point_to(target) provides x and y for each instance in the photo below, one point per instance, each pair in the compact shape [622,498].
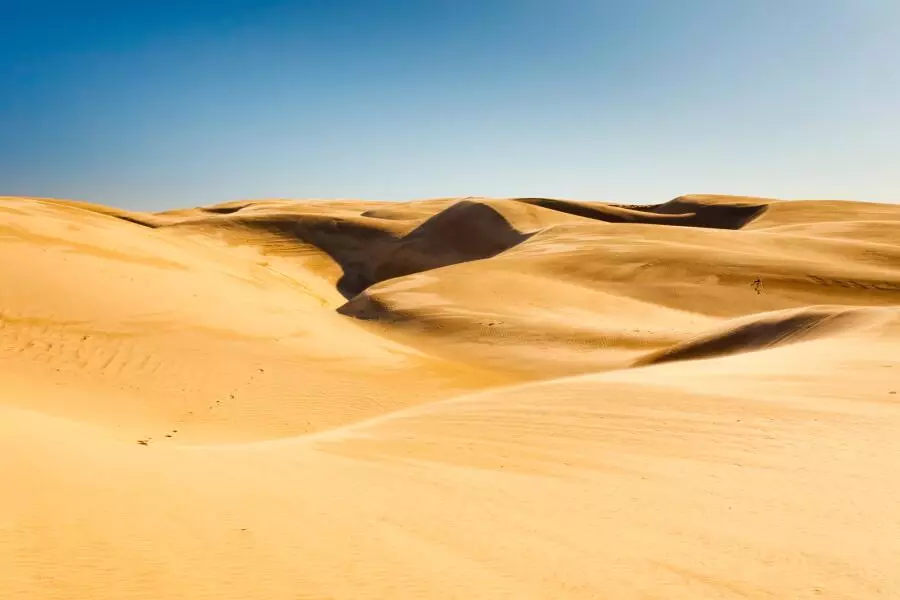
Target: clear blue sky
[152,105]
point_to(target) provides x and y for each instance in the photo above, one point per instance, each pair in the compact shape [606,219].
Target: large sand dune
[452,398]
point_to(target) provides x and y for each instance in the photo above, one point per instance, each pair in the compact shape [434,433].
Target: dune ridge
[450,398]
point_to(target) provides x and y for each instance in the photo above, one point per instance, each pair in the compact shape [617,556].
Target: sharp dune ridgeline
[521,398]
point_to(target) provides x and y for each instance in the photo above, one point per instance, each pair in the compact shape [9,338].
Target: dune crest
[450,398]
[767,331]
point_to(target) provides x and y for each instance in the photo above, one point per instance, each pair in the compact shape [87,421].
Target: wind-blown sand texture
[455,398]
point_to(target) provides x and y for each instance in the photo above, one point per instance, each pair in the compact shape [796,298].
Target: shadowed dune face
[369,250]
[464,232]
[450,398]
[686,211]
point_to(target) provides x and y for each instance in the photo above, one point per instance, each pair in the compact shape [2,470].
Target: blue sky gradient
[152,105]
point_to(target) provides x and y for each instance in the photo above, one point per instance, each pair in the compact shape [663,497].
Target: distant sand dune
[450,398]
[687,211]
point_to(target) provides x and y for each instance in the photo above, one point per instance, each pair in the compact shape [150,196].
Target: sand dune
[450,398]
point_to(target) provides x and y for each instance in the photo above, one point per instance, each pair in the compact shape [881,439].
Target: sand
[451,398]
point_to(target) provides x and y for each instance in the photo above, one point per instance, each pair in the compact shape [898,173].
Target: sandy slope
[452,398]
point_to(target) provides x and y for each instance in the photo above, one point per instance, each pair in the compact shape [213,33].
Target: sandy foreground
[454,398]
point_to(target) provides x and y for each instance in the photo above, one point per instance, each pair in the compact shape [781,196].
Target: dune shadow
[683,212]
[463,232]
[368,252]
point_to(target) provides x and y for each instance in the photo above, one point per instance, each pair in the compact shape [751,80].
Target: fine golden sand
[455,398]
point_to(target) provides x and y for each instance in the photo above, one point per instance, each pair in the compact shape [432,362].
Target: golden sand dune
[451,398]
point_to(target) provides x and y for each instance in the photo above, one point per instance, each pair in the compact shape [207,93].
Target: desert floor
[453,398]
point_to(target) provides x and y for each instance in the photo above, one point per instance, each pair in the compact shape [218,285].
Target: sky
[153,105]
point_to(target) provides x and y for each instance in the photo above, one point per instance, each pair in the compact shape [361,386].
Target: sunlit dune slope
[450,398]
[161,332]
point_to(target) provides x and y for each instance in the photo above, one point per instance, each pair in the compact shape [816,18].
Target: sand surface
[454,398]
